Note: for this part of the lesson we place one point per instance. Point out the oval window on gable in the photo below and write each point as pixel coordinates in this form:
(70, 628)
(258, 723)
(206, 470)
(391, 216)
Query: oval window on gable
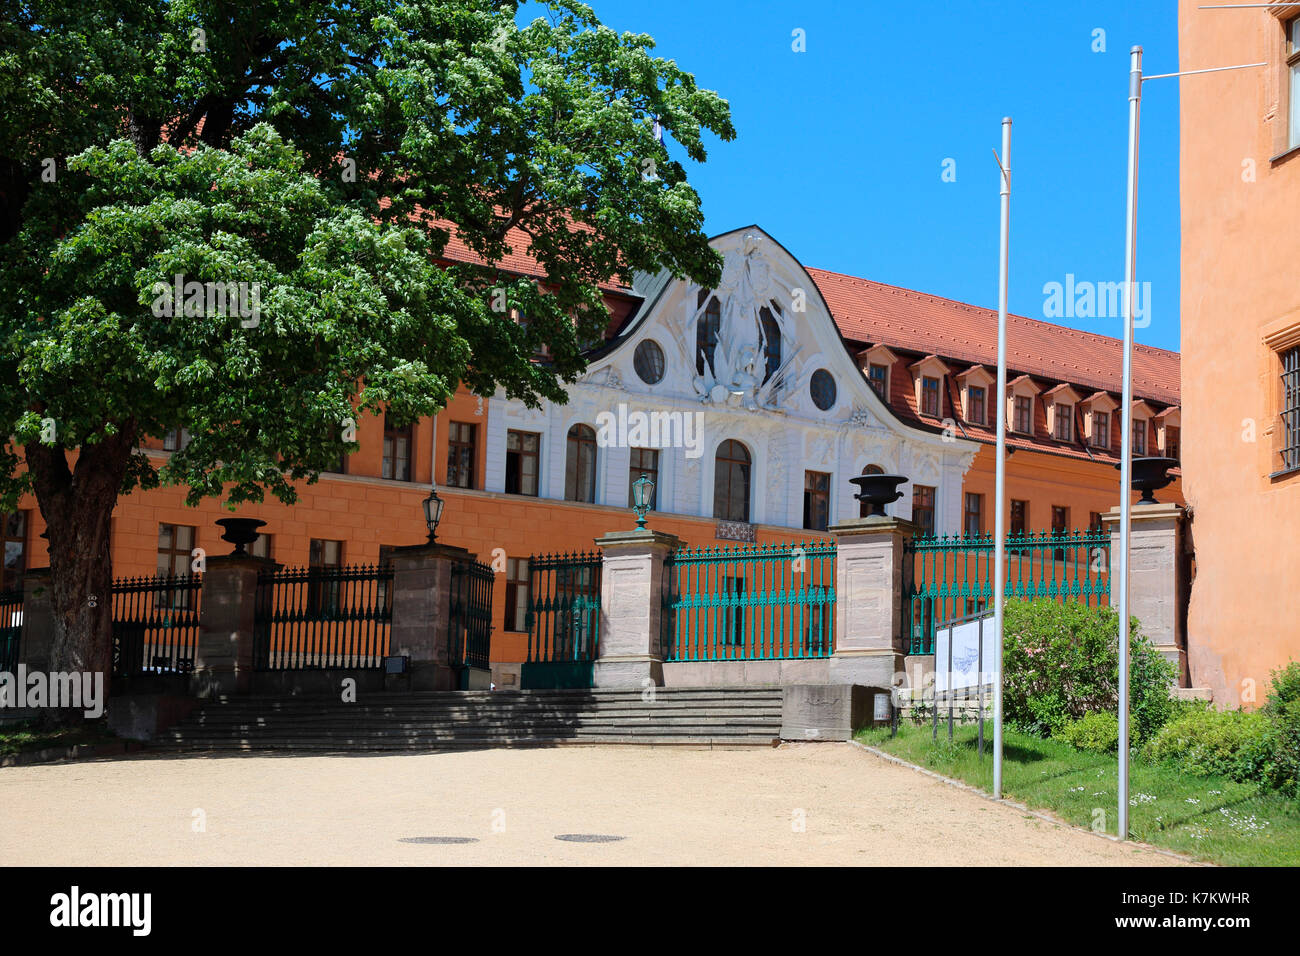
(648, 361)
(822, 388)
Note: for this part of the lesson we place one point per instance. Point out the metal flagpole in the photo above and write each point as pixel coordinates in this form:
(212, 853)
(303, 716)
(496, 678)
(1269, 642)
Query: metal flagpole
(1119, 562)
(999, 492)
(1126, 436)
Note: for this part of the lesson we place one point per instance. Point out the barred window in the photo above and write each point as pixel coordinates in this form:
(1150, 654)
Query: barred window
(1290, 408)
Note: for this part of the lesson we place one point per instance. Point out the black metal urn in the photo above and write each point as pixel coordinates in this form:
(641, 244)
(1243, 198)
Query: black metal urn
(1150, 475)
(878, 490)
(240, 532)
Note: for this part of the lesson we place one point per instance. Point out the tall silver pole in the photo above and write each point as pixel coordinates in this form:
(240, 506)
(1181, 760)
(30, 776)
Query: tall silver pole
(1119, 562)
(999, 493)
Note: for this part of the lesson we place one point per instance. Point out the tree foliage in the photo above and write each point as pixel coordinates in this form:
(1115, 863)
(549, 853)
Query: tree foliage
(324, 154)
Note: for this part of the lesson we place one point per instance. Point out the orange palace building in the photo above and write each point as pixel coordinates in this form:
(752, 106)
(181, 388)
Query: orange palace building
(766, 394)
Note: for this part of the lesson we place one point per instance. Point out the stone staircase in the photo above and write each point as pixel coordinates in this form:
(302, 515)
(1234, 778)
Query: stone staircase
(460, 720)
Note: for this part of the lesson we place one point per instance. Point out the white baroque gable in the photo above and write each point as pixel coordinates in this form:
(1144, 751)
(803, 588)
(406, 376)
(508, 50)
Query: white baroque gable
(773, 416)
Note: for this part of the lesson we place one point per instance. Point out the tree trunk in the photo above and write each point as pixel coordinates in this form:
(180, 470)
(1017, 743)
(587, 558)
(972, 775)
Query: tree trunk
(77, 505)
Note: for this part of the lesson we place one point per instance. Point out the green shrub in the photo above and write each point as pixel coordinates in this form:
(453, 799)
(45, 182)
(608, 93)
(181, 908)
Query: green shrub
(1231, 743)
(1097, 732)
(1282, 769)
(1061, 662)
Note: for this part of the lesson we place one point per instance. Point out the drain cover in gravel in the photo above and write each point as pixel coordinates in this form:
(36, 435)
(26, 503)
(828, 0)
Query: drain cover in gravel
(438, 840)
(589, 838)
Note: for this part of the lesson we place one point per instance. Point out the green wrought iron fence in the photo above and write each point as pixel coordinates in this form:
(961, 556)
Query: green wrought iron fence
(564, 607)
(951, 577)
(756, 603)
(11, 630)
(156, 624)
(323, 617)
(469, 625)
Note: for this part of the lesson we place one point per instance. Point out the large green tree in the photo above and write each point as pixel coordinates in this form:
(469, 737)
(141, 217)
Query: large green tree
(312, 153)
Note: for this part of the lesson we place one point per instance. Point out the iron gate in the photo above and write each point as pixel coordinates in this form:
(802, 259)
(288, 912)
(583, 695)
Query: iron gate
(563, 619)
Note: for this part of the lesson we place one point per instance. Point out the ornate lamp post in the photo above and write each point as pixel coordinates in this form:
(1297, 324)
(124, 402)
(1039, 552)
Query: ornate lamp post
(643, 493)
(433, 506)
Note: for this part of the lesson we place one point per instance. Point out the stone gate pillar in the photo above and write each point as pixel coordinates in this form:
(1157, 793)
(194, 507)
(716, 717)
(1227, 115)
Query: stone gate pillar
(869, 600)
(1157, 581)
(422, 610)
(223, 659)
(632, 588)
(38, 619)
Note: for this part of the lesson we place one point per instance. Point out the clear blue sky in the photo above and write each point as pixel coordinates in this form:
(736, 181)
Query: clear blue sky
(839, 149)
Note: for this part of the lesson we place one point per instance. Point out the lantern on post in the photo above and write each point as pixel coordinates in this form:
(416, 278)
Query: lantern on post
(433, 506)
(643, 494)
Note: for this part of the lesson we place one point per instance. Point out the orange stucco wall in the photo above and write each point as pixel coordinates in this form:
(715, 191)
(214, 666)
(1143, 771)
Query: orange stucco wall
(1240, 282)
(366, 511)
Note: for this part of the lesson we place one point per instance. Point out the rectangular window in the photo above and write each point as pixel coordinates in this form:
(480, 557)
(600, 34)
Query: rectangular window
(1024, 415)
(816, 500)
(325, 554)
(644, 461)
(877, 377)
(385, 593)
(14, 526)
(1064, 419)
(1100, 429)
(929, 396)
(923, 508)
(1094, 521)
(398, 444)
(1019, 516)
(521, 462)
(1290, 407)
(516, 594)
(262, 547)
(1139, 437)
(175, 546)
(1060, 526)
(975, 398)
(462, 449)
(1172, 447)
(1293, 69)
(176, 439)
(974, 520)
(323, 592)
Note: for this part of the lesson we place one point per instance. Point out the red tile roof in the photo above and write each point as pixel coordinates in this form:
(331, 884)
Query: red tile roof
(517, 261)
(872, 312)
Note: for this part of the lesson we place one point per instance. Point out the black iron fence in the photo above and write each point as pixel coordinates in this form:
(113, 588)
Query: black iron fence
(11, 629)
(469, 625)
(323, 617)
(156, 624)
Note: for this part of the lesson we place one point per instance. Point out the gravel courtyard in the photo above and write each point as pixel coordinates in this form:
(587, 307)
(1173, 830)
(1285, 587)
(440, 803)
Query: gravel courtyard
(802, 804)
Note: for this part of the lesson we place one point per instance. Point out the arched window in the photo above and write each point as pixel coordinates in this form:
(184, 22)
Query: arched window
(731, 482)
(771, 340)
(580, 464)
(706, 331)
(864, 509)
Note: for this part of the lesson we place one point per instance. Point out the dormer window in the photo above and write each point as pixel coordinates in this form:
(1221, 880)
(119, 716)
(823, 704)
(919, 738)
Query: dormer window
(876, 363)
(878, 376)
(1167, 423)
(929, 375)
(975, 405)
(929, 395)
(1097, 420)
(1021, 393)
(1064, 418)
(1024, 419)
(1061, 401)
(1101, 429)
(1142, 413)
(974, 386)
